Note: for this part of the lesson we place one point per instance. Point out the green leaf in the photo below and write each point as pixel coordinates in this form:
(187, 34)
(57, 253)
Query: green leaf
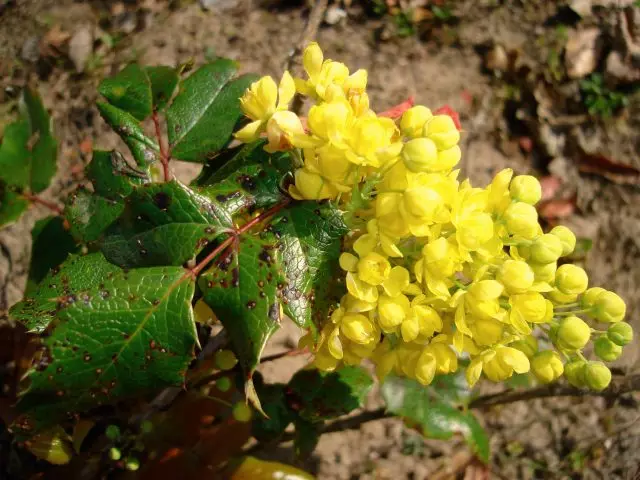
(202, 117)
(62, 285)
(28, 152)
(164, 224)
(278, 415)
(434, 413)
(52, 243)
(310, 237)
(132, 334)
(12, 205)
(129, 90)
(250, 468)
(245, 178)
(307, 435)
(113, 179)
(143, 149)
(317, 395)
(243, 287)
(164, 81)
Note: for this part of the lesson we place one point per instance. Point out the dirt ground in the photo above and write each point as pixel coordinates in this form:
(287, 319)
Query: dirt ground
(490, 64)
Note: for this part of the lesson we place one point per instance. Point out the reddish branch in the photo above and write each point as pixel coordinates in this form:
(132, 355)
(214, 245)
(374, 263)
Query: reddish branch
(235, 236)
(40, 201)
(164, 153)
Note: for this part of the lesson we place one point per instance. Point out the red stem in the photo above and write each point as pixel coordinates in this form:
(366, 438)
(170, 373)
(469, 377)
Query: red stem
(50, 205)
(229, 240)
(164, 154)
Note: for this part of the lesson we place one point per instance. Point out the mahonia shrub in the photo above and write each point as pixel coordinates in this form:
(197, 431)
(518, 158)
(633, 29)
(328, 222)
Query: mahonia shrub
(354, 225)
(435, 269)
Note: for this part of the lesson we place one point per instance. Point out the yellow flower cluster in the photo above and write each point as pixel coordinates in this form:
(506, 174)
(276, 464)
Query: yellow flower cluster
(436, 270)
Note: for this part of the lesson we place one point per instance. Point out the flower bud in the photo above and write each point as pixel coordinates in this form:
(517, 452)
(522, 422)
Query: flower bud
(425, 367)
(225, 359)
(373, 268)
(574, 373)
(132, 464)
(588, 299)
(546, 248)
(241, 412)
(413, 121)
(558, 297)
(547, 366)
(449, 158)
(526, 188)
(531, 306)
(443, 131)
(423, 202)
(571, 279)
(606, 350)
(566, 237)
(223, 384)
(620, 333)
(311, 186)
(420, 155)
(528, 345)
(544, 272)
(112, 432)
(516, 276)
(573, 333)
(609, 307)
(522, 220)
(115, 454)
(597, 376)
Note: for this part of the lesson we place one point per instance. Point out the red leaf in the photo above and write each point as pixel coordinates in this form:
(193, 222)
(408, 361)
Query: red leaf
(613, 171)
(398, 110)
(526, 144)
(555, 209)
(447, 110)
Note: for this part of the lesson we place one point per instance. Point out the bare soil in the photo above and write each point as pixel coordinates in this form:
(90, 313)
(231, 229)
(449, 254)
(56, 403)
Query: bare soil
(552, 438)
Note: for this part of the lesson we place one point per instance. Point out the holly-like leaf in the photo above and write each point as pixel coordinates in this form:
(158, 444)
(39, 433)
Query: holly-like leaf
(245, 178)
(90, 215)
(29, 151)
(243, 287)
(164, 81)
(307, 436)
(144, 149)
(318, 396)
(434, 412)
(250, 468)
(203, 115)
(310, 235)
(164, 224)
(129, 90)
(63, 285)
(132, 334)
(12, 205)
(279, 415)
(52, 243)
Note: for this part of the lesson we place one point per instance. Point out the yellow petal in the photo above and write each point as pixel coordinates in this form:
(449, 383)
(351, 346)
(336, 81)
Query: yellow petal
(286, 90)
(250, 132)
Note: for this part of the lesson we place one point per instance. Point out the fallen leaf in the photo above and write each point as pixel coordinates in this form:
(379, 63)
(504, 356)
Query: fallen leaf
(550, 185)
(616, 172)
(556, 209)
(86, 146)
(53, 41)
(526, 144)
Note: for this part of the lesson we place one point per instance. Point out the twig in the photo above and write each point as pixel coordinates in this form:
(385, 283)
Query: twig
(308, 34)
(287, 353)
(164, 154)
(46, 203)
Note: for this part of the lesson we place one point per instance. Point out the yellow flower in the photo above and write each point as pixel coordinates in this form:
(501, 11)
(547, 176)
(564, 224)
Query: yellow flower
(596, 375)
(361, 290)
(522, 220)
(261, 101)
(392, 311)
(566, 237)
(322, 73)
(311, 186)
(546, 249)
(284, 130)
(506, 361)
(609, 307)
(358, 328)
(420, 155)
(442, 130)
(397, 282)
(373, 268)
(528, 308)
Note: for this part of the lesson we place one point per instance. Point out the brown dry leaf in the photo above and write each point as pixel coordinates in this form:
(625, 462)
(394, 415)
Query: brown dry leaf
(556, 209)
(86, 146)
(550, 185)
(613, 171)
(477, 470)
(53, 41)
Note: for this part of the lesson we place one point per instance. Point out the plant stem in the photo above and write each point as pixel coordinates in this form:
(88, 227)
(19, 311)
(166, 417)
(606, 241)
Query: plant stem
(164, 154)
(229, 240)
(37, 200)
